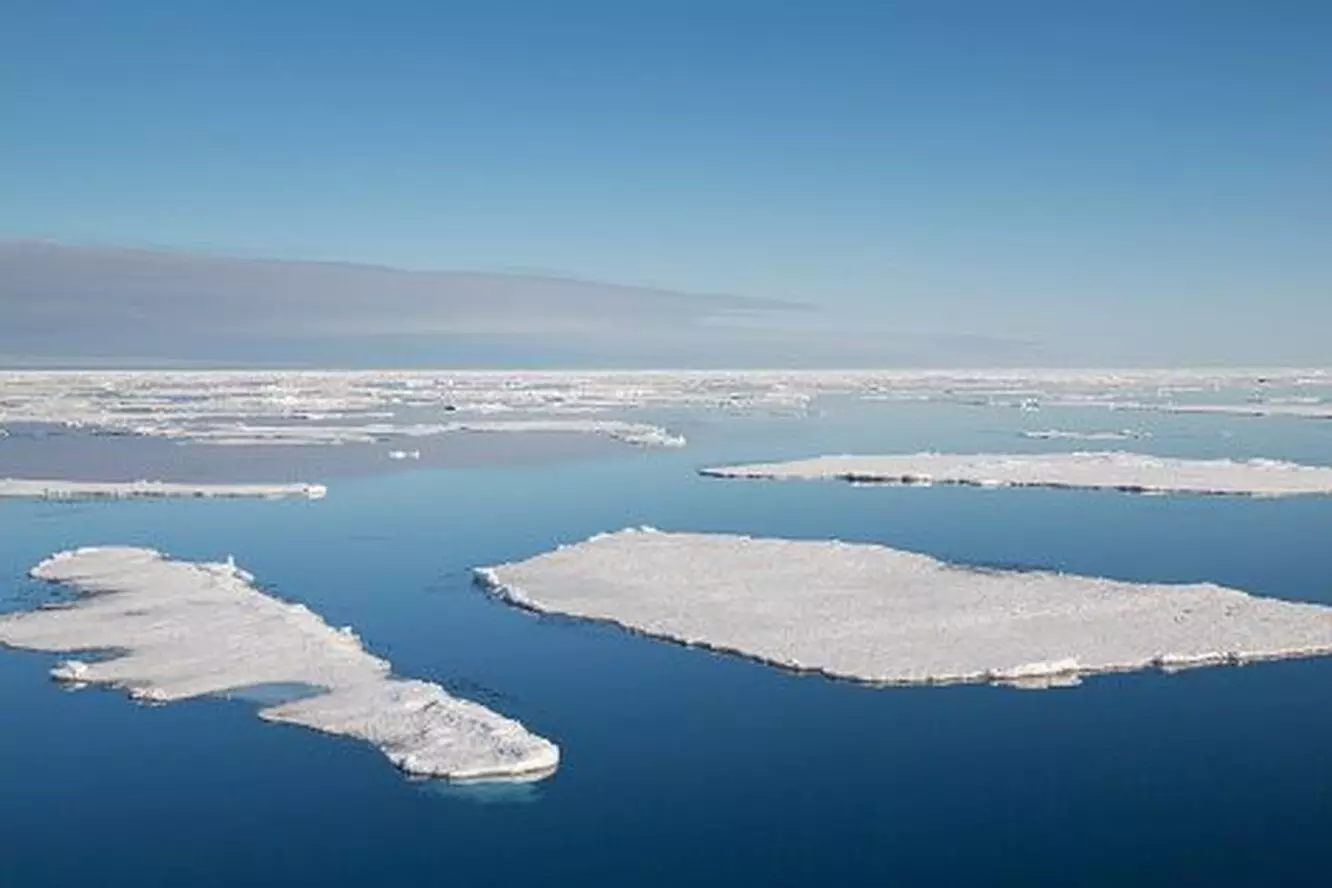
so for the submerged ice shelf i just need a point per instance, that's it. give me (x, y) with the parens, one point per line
(880, 615)
(1116, 470)
(69, 490)
(191, 629)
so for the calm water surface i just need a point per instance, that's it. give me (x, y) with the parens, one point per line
(681, 766)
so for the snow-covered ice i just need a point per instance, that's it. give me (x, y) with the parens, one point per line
(880, 615)
(296, 406)
(629, 432)
(1303, 409)
(1073, 435)
(68, 490)
(1134, 472)
(190, 629)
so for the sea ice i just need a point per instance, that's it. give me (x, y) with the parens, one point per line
(1067, 435)
(67, 490)
(187, 629)
(876, 614)
(1133, 472)
(629, 432)
(1302, 409)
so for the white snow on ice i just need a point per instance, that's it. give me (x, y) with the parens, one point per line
(324, 407)
(1289, 409)
(1132, 472)
(880, 615)
(192, 629)
(1070, 435)
(71, 490)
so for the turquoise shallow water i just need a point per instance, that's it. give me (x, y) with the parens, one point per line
(682, 766)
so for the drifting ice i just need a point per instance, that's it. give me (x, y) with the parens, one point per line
(1062, 435)
(65, 490)
(192, 629)
(880, 615)
(1132, 472)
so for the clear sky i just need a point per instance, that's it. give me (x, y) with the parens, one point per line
(1117, 179)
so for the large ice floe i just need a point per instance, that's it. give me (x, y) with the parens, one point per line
(185, 629)
(1133, 472)
(880, 615)
(30, 488)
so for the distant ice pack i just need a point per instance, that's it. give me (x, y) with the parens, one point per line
(881, 615)
(1133, 472)
(66, 490)
(187, 629)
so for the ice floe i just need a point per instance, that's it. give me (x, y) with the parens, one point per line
(210, 403)
(189, 629)
(876, 614)
(243, 434)
(70, 490)
(629, 432)
(1303, 409)
(1070, 435)
(1117, 470)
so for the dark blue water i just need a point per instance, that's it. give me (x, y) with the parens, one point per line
(682, 766)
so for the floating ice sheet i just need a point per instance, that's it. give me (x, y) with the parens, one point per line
(191, 629)
(880, 615)
(1134, 472)
(1074, 435)
(66, 490)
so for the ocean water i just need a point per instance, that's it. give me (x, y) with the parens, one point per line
(682, 766)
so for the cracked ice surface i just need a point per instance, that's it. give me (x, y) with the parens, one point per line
(1133, 472)
(72, 490)
(877, 614)
(191, 629)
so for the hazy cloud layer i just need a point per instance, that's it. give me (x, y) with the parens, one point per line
(76, 304)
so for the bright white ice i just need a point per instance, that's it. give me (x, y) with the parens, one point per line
(1133, 472)
(67, 490)
(881, 615)
(1068, 435)
(326, 407)
(191, 629)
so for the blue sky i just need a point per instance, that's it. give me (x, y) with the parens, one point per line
(1126, 181)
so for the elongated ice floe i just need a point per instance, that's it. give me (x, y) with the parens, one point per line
(638, 433)
(1070, 435)
(1133, 472)
(242, 434)
(68, 490)
(188, 629)
(876, 614)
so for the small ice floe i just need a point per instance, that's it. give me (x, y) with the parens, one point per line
(638, 433)
(73, 490)
(185, 629)
(71, 673)
(1115, 470)
(881, 615)
(404, 454)
(1068, 435)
